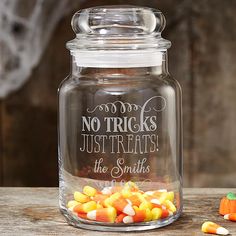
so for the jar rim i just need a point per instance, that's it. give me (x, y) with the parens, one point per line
(125, 8)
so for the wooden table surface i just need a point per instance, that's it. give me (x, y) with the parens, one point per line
(34, 211)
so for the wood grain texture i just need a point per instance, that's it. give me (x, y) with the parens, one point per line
(214, 53)
(180, 68)
(1, 147)
(34, 211)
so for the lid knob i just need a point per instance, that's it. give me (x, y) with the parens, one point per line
(118, 20)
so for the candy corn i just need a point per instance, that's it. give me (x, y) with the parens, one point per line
(89, 191)
(99, 206)
(148, 215)
(123, 204)
(165, 213)
(156, 213)
(72, 203)
(80, 197)
(170, 206)
(86, 207)
(213, 228)
(103, 215)
(108, 202)
(146, 205)
(126, 193)
(139, 216)
(100, 198)
(82, 215)
(115, 196)
(155, 201)
(231, 216)
(170, 196)
(120, 217)
(163, 197)
(135, 200)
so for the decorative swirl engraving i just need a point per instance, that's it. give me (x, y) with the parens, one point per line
(112, 107)
(128, 107)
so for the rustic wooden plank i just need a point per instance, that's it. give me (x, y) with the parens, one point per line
(177, 31)
(34, 211)
(214, 54)
(1, 145)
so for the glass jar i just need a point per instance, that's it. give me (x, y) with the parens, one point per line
(120, 123)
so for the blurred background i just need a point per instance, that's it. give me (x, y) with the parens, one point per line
(33, 61)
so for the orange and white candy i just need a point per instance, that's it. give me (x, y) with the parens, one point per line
(103, 215)
(86, 207)
(82, 215)
(139, 216)
(213, 228)
(120, 217)
(122, 205)
(108, 202)
(170, 206)
(155, 201)
(165, 213)
(134, 200)
(231, 217)
(100, 198)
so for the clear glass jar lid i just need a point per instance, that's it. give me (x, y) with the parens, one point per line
(118, 30)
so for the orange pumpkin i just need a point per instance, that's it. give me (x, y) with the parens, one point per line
(228, 204)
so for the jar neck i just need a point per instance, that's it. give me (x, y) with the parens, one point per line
(160, 69)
